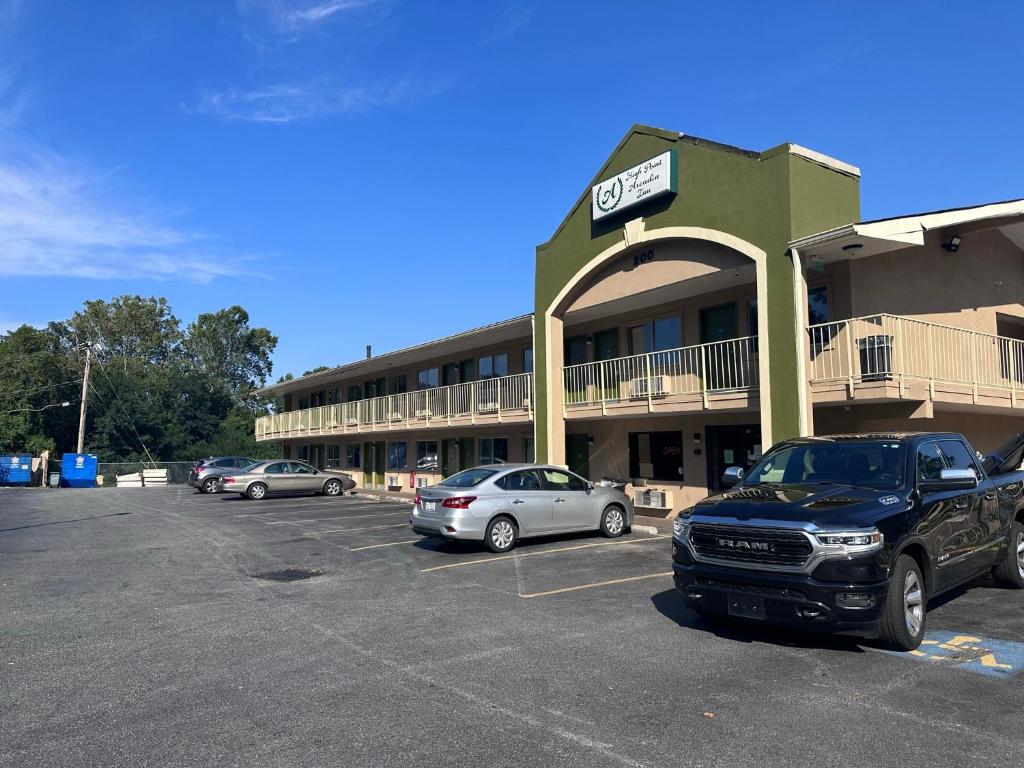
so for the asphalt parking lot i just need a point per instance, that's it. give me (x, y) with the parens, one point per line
(139, 627)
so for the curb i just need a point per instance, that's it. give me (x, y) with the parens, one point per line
(653, 530)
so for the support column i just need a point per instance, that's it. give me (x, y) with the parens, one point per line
(803, 346)
(550, 414)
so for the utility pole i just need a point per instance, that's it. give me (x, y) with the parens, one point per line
(85, 394)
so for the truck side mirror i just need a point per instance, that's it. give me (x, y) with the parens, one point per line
(732, 477)
(950, 480)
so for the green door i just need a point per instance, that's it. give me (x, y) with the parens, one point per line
(577, 454)
(467, 453)
(373, 465)
(449, 457)
(606, 347)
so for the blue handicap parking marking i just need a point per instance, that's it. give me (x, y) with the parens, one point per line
(983, 655)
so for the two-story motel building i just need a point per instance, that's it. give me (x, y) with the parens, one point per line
(697, 303)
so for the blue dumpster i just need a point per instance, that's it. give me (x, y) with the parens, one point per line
(16, 469)
(77, 470)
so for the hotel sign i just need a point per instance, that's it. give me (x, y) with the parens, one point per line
(652, 178)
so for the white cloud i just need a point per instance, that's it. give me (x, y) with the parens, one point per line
(296, 102)
(288, 17)
(57, 220)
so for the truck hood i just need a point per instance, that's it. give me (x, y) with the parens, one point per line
(826, 506)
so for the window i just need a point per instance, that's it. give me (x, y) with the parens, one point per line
(656, 455)
(426, 455)
(529, 453)
(304, 403)
(524, 480)
(398, 384)
(957, 456)
(557, 480)
(374, 388)
(397, 456)
(817, 305)
(930, 462)
(528, 360)
(298, 468)
(303, 453)
(355, 392)
(281, 468)
(865, 463)
(467, 478)
(333, 396)
(334, 456)
(223, 463)
(353, 456)
(493, 366)
(655, 335)
(575, 350)
(493, 450)
(428, 378)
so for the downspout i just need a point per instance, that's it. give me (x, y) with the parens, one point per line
(802, 349)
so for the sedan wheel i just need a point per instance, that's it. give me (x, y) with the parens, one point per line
(209, 485)
(257, 491)
(332, 488)
(501, 535)
(613, 523)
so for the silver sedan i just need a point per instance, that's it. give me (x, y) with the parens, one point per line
(502, 503)
(263, 478)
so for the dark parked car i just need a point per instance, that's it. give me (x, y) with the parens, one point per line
(205, 474)
(851, 533)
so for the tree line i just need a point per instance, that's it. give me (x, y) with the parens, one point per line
(158, 390)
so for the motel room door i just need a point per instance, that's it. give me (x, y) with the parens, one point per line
(373, 465)
(731, 445)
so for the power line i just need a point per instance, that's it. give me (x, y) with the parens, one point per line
(63, 404)
(38, 389)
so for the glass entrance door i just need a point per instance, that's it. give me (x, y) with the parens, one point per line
(732, 445)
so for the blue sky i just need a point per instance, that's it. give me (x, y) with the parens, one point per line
(379, 172)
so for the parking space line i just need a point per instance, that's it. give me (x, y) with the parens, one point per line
(339, 517)
(389, 544)
(355, 530)
(595, 584)
(544, 552)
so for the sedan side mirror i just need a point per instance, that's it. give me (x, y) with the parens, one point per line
(732, 476)
(950, 480)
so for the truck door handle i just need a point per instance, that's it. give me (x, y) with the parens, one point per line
(518, 501)
(990, 497)
(960, 505)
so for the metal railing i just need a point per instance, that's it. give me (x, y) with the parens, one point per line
(489, 398)
(721, 366)
(880, 348)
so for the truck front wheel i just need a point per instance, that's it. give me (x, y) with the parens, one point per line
(906, 604)
(1010, 571)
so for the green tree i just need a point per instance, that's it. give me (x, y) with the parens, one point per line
(225, 347)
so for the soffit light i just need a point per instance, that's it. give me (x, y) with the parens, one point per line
(951, 244)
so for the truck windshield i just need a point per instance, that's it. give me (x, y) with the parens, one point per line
(875, 464)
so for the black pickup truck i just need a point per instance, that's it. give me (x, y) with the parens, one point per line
(852, 533)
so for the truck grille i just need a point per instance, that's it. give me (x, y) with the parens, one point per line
(738, 543)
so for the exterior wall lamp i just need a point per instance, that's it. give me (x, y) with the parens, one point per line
(951, 244)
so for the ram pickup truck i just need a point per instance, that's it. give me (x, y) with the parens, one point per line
(852, 534)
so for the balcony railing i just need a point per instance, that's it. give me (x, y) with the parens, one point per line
(488, 400)
(889, 348)
(701, 370)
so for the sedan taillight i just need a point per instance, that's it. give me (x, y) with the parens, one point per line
(458, 502)
(228, 479)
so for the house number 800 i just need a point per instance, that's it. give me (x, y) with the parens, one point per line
(643, 257)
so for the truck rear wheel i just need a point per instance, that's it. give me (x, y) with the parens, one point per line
(1010, 572)
(906, 605)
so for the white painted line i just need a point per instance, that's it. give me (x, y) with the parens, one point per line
(596, 584)
(389, 544)
(339, 517)
(517, 556)
(354, 530)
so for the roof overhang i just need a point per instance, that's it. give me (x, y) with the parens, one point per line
(495, 333)
(868, 238)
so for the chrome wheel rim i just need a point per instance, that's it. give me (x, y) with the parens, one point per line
(211, 486)
(913, 604)
(333, 487)
(1020, 554)
(613, 521)
(502, 534)
(257, 492)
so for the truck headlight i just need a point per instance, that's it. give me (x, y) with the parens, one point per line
(852, 542)
(681, 527)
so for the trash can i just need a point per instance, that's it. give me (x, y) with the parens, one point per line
(16, 469)
(55, 479)
(875, 358)
(78, 470)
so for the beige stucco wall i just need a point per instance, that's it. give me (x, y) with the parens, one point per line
(964, 289)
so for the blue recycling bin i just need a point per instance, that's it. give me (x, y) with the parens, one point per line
(16, 469)
(78, 470)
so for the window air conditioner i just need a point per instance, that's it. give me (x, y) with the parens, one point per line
(638, 387)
